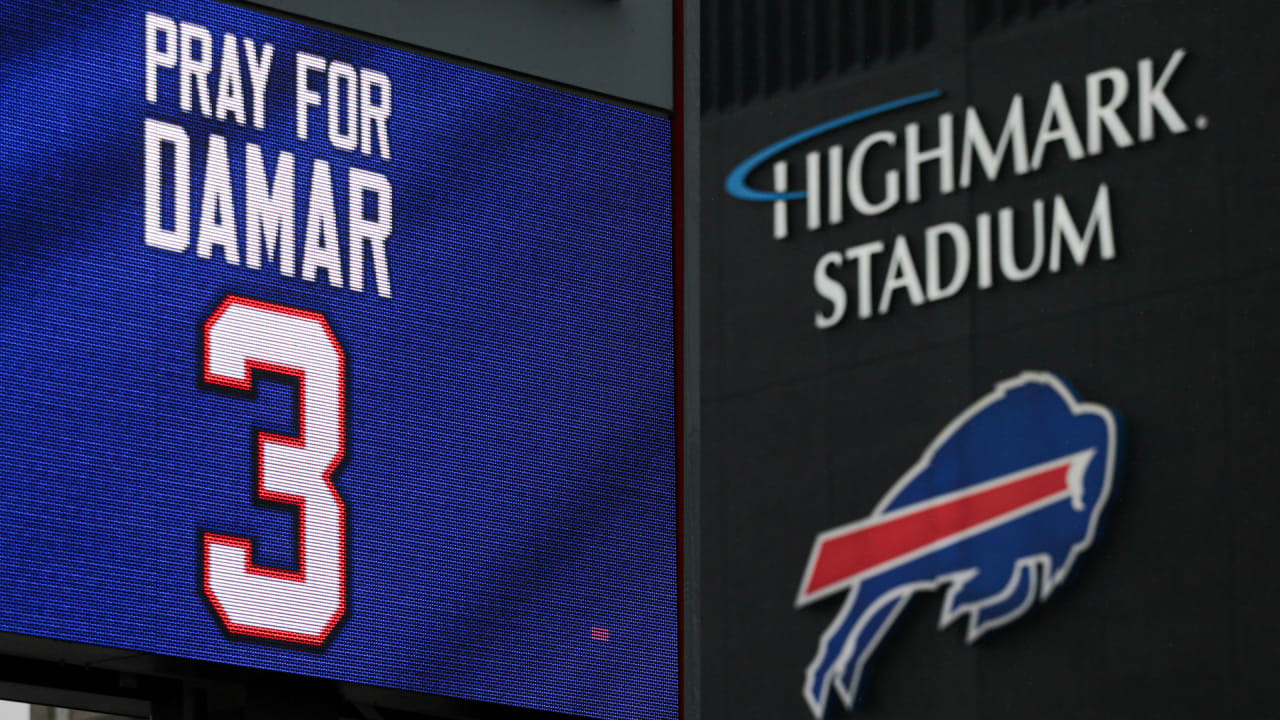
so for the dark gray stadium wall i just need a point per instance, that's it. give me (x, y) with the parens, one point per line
(619, 48)
(688, 163)
(804, 429)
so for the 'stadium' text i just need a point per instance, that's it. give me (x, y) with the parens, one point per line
(1059, 232)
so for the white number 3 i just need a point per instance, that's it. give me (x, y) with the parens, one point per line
(294, 606)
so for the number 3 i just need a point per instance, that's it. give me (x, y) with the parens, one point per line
(294, 606)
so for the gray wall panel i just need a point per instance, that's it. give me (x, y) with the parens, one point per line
(620, 48)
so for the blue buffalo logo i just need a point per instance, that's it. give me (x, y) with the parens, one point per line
(996, 511)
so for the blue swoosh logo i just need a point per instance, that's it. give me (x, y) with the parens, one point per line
(736, 183)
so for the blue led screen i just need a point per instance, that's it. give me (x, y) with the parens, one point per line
(326, 357)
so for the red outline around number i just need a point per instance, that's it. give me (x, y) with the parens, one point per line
(261, 438)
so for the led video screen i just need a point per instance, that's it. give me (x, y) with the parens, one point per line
(332, 358)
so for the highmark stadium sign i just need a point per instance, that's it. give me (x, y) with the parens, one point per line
(316, 360)
(838, 186)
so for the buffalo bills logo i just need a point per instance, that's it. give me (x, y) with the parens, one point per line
(996, 510)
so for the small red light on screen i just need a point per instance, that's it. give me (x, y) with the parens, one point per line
(599, 633)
